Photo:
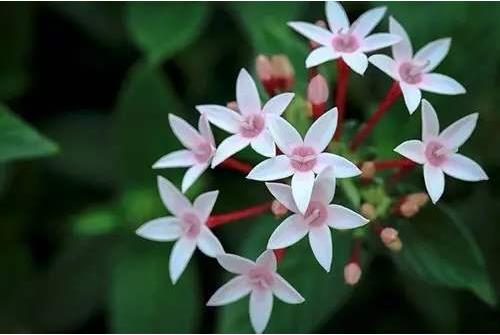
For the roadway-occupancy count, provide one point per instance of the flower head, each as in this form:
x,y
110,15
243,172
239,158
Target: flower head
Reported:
x,y
249,124
349,42
258,278
187,227
303,158
200,149
438,151
413,72
317,220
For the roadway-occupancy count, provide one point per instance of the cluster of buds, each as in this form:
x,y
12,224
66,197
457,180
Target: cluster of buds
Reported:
x,y
390,238
276,73
411,204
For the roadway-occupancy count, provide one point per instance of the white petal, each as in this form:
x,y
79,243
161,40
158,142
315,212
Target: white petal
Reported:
x,y
367,21
235,264
285,292
222,117
459,131
261,305
321,132
386,64
430,122
186,134
179,257
340,217
233,290
247,95
204,204
433,53
277,104
205,130
464,168
324,186
268,260
336,16
289,232
162,229
321,55
357,61
313,32
264,144
434,181
278,167
320,239
302,184
379,41
402,51
283,193
441,84
180,158
412,96
285,135
413,150
229,147
342,167
208,243
191,175
174,200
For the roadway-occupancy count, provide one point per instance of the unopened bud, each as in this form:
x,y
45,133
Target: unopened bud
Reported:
x,y
322,24
420,199
368,211
283,72
368,170
233,105
408,209
390,238
263,68
278,209
352,273
317,91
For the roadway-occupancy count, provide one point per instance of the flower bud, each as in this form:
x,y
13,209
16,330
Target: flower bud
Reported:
x,y
368,170
408,209
283,72
352,273
317,91
390,238
420,199
368,211
264,68
278,209
322,24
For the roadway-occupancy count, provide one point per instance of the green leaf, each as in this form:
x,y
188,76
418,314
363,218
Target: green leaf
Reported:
x,y
298,115
440,249
161,29
96,221
19,141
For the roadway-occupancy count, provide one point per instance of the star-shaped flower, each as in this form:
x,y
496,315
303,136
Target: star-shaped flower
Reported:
x,y
261,280
438,151
200,149
249,126
350,42
413,72
187,226
303,158
316,222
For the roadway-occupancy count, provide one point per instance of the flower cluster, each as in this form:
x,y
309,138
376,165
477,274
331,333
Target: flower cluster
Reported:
x,y
308,161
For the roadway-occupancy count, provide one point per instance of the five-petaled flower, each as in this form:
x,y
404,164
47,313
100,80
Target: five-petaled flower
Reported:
x,y
316,222
187,226
258,278
351,43
438,151
199,153
413,71
249,126
303,158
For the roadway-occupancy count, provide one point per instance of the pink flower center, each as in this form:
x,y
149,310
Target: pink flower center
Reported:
x,y
315,214
260,277
411,73
191,224
303,158
345,43
252,125
435,153
203,152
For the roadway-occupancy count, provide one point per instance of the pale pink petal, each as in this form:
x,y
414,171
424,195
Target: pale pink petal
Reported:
x,y
413,150
302,185
180,158
278,167
313,32
223,117
433,53
324,186
233,290
186,134
285,292
285,135
208,243
191,175
261,305
402,51
340,217
277,104
441,84
204,204
174,200
386,64
321,132
179,257
320,239
412,96
379,41
205,130
430,122
367,21
336,16
357,61
289,232
229,147
283,193
321,55
268,260
434,181
459,131
264,144
247,95
464,168
235,264
342,167
162,229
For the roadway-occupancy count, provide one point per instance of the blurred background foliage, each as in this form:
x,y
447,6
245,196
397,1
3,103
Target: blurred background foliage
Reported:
x,y
89,86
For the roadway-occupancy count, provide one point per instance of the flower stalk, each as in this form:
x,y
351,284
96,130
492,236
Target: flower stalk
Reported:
x,y
247,213
236,165
340,99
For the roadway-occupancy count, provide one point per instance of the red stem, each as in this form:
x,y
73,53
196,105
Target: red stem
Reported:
x,y
219,220
280,254
234,164
393,164
318,110
340,99
356,252
390,99
403,172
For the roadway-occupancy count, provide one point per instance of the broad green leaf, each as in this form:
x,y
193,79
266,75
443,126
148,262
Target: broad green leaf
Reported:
x,y
160,29
19,141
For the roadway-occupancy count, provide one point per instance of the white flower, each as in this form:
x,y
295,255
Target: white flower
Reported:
x,y
317,220
250,125
200,149
438,151
351,43
413,72
187,226
260,280
303,158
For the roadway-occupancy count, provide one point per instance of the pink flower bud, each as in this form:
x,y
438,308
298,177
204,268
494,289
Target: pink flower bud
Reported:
x,y
278,209
368,211
264,68
368,171
352,273
283,72
390,238
317,91
408,209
